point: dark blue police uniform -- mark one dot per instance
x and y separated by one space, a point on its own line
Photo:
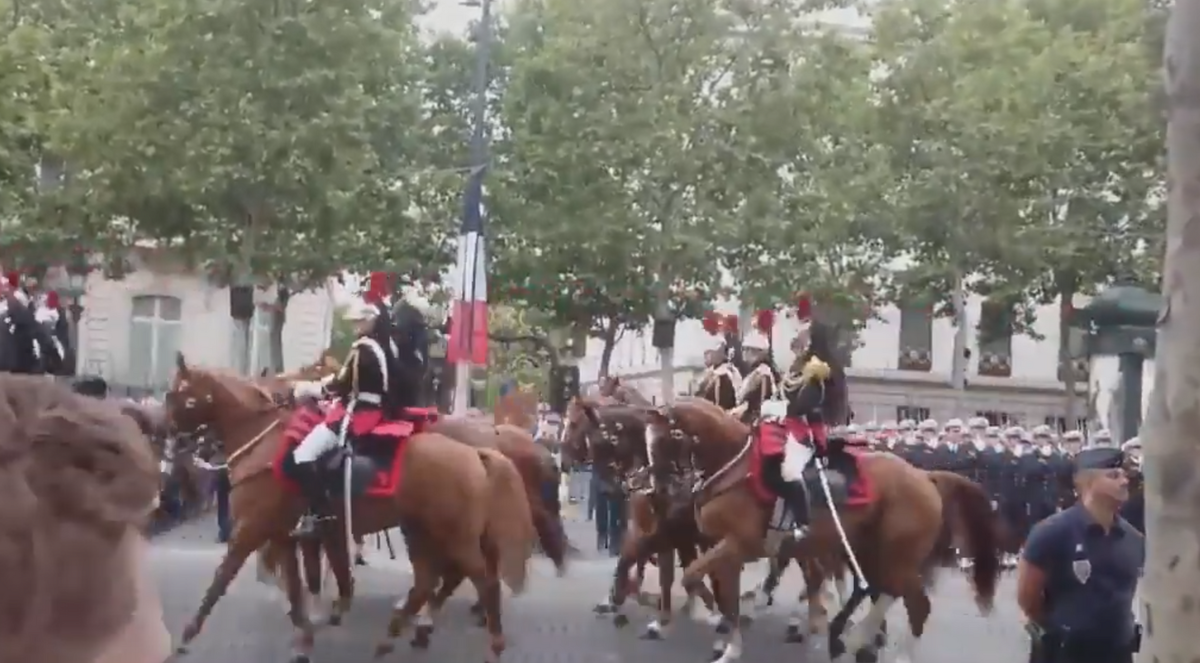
1090 579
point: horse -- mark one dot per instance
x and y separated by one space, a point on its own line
612 387
892 533
467 504
660 524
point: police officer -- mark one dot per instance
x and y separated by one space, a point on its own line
1077 577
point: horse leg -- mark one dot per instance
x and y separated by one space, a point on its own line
666 579
763 596
916 603
840 621
302 643
427 618
728 577
425 583
487 584
861 641
706 611
633 550
339 563
818 616
242 544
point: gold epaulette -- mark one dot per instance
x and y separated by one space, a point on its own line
815 371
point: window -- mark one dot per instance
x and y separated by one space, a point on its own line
155 336
1072 354
914 412
995 339
996 418
1060 424
260 345
916 338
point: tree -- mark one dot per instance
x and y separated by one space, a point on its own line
1172 579
281 160
622 124
959 92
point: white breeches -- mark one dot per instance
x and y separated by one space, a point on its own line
318 441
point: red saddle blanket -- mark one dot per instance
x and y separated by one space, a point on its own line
380 439
769 438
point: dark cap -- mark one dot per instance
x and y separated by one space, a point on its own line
1099 458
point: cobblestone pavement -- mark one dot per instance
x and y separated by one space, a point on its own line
552 623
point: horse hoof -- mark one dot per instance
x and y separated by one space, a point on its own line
383 649
603 608
717 652
723 627
836 648
866 656
300 658
335 619
794 635
620 620
421 636
749 596
653 632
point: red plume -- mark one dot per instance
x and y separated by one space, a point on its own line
711 323
764 320
379 286
804 307
52 300
14 279
731 324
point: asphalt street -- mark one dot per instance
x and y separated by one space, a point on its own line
553 622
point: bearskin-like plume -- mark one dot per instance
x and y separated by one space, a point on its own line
730 324
804 307
379 287
711 323
52 300
764 320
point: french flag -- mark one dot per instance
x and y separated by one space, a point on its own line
468 321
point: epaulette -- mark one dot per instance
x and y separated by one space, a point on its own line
815 370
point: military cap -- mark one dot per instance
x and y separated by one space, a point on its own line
1073 436
907 424
1099 458
1042 431
928 425
954 423
977 422
1014 431
1132 443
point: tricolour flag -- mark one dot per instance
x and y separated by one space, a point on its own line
468 321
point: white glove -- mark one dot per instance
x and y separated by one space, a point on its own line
308 390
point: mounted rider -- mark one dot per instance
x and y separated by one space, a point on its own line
816 400
366 389
722 378
762 377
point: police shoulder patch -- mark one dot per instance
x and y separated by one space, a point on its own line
1082 569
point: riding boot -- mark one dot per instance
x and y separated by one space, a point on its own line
309 477
797 502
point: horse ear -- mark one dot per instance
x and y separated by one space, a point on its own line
181 364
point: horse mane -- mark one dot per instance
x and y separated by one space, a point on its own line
242 389
729 426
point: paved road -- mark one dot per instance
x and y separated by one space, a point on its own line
552 623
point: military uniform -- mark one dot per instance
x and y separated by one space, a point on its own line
721 381
1089 575
760 383
365 391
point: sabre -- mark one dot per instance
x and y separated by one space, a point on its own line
346 476
859 579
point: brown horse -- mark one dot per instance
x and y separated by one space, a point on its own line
661 523
468 504
893 536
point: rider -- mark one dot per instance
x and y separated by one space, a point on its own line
722 375
761 381
815 392
363 383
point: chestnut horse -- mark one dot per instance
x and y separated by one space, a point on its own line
893 536
468 504
661 524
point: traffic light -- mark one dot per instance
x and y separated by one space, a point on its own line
564 385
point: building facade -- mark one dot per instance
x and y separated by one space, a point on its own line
131 329
902 362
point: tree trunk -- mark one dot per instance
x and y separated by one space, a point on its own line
610 344
1172 449
1066 359
278 320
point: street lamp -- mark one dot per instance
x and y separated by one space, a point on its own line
1121 321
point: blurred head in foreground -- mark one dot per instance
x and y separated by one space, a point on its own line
77 480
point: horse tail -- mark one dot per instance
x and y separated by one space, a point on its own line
970 515
509 521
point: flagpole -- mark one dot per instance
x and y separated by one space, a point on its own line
474 193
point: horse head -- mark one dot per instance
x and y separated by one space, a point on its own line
219 400
715 436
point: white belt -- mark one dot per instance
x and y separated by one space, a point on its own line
373 399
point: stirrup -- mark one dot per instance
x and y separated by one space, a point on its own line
308 524
799 532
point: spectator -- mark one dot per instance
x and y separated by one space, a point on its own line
77 481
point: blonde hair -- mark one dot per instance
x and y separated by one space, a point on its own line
76 478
